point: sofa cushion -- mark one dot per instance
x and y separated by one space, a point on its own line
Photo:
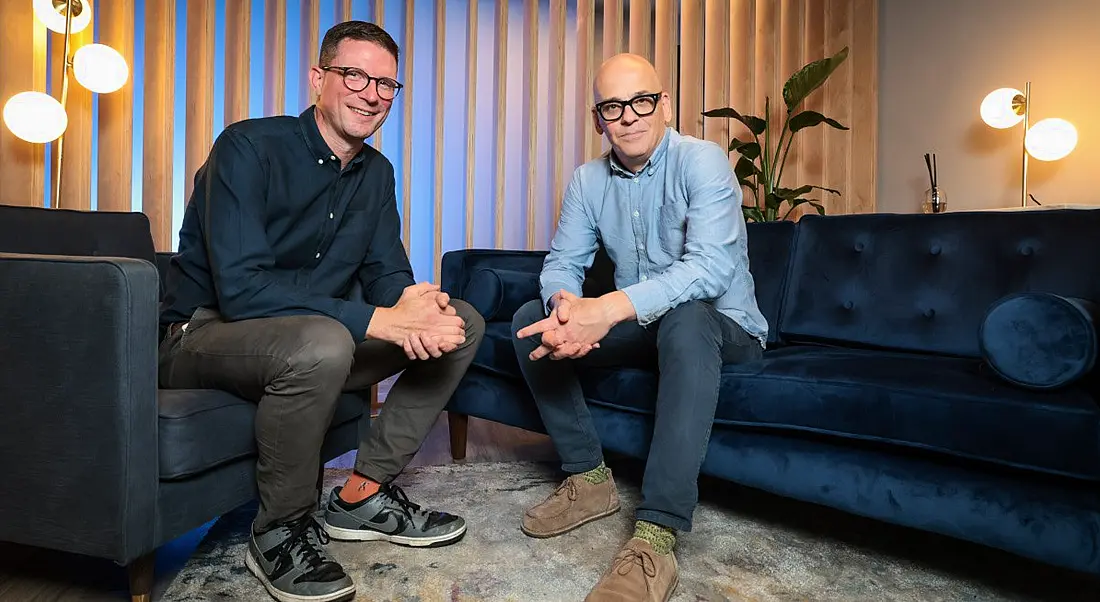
497 293
496 354
770 246
1040 340
36 230
945 405
924 282
200 429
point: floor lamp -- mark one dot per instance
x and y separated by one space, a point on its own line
37 117
1048 140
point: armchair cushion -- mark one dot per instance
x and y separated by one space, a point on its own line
497 293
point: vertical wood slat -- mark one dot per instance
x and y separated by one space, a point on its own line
863 55
116 113
238 37
585 143
378 9
343 10
76 145
440 84
557 106
406 126
742 39
500 81
790 58
838 104
665 36
530 133
716 69
199 108
309 46
159 94
691 68
811 164
612 28
471 117
767 59
22 164
274 57
641 30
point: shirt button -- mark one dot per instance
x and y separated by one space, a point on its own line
636 214
317 256
644 277
333 157
331 216
320 161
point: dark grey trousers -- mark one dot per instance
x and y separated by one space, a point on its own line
295 369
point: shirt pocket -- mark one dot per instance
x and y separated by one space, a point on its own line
672 228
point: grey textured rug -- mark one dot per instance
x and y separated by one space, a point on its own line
731 555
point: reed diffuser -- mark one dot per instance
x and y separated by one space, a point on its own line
935 201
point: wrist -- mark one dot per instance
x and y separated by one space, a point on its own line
380 326
617 307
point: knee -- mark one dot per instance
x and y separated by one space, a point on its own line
322 348
475 323
689 324
528 314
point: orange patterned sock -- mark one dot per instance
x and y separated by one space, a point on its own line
358 488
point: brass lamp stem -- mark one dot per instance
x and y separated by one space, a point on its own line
1023 145
66 62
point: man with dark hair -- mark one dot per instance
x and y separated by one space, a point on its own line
291 285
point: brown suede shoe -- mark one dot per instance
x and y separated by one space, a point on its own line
574 503
638 574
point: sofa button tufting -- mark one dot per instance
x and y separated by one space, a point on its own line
859 246
849 305
1026 250
935 250
928 313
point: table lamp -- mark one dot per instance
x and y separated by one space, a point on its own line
1048 140
39 118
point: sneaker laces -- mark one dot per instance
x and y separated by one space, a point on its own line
631 558
306 537
408 508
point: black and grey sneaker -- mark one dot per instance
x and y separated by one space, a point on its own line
389 516
291 562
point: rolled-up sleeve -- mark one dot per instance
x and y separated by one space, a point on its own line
714 225
573 247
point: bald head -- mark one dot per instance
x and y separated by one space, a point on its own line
632 108
625 72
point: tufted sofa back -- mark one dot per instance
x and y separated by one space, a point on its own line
923 283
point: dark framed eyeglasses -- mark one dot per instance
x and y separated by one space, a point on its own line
643 105
357 81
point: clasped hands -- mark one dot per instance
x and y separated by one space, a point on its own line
422 322
574 327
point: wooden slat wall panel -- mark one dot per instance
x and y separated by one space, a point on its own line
378 9
76 145
811 166
531 131
838 104
586 143
556 114
274 57
343 10
864 66
407 110
716 69
309 40
238 28
116 114
665 35
22 164
159 100
691 68
742 38
641 28
200 88
471 116
790 60
440 86
612 28
500 81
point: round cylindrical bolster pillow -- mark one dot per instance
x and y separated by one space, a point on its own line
497 294
1040 340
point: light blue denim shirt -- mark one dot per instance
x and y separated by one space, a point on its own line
674 230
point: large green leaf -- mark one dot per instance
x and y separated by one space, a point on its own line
752 214
788 194
746 169
756 125
809 119
810 78
748 150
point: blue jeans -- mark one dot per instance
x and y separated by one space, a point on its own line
687 347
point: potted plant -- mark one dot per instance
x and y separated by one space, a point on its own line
760 167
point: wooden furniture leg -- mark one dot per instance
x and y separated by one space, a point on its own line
141 578
458 425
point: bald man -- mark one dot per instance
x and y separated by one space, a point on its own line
667 208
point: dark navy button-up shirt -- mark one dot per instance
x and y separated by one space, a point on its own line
275 227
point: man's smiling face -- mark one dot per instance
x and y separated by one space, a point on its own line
355 115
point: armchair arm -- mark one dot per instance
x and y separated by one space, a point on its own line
78 405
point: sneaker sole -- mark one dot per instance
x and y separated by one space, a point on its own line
345 594
412 542
568 528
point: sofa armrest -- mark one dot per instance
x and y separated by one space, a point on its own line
78 405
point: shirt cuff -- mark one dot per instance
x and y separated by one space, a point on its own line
649 300
356 318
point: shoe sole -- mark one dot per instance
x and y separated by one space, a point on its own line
345 594
569 528
412 542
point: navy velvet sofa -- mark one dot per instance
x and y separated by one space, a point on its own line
932 371
94 458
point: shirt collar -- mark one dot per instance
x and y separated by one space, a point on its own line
654 160
307 121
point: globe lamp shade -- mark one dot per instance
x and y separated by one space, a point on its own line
52 14
35 117
1050 139
998 108
100 68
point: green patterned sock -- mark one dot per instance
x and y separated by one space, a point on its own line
661 538
598 474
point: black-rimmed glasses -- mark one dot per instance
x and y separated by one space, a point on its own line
643 105
357 81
